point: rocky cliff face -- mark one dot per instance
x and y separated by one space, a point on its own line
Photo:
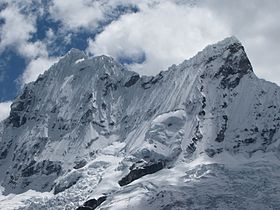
88 127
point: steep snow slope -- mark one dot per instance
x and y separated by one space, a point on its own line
203 134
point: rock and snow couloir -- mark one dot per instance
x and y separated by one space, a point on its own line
202 135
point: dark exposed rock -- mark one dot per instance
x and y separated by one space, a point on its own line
271 106
104 106
191 148
137 173
84 208
228 83
83 68
27 94
54 109
109 86
4 150
51 167
62 187
40 78
30 170
249 141
268 135
201 113
157 78
147 85
203 102
234 69
132 80
90 96
197 135
221 134
92 203
4 154
235 47
101 200
224 105
236 146
87 116
80 164
210 59
112 123
153 80
98 124
23 120
104 76
225 117
14 119
45 167
91 142
256 129
18 107
212 152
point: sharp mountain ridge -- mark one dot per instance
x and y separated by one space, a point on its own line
90 128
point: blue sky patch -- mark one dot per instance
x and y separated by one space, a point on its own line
11 67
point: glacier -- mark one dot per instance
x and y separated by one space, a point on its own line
90 134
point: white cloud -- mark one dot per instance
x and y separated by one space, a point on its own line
17 29
32 50
5 109
166 32
86 14
36 67
77 14
16 32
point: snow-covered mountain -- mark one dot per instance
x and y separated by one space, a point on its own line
202 135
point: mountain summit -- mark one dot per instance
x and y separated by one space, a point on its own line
202 135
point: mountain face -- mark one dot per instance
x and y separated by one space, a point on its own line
202 135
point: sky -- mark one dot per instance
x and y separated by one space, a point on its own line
145 35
